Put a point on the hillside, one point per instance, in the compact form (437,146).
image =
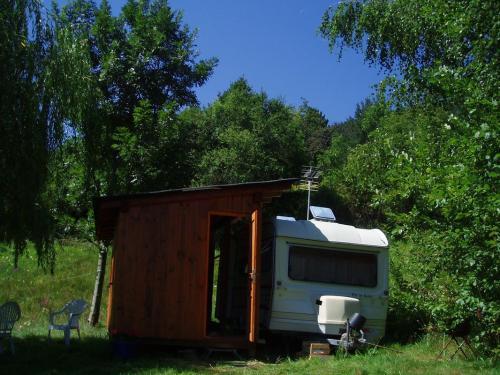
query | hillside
(37,292)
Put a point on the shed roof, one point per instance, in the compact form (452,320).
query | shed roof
(106,208)
(341,234)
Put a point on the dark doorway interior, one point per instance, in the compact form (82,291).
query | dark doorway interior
(228,283)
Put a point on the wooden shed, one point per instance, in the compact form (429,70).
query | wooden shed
(186,263)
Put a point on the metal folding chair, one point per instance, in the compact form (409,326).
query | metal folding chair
(459,335)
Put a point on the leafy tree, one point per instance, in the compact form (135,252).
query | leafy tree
(435,162)
(29,129)
(69,195)
(131,75)
(314,125)
(348,134)
(144,68)
(160,153)
(121,82)
(247,137)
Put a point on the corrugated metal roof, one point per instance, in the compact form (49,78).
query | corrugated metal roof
(252,184)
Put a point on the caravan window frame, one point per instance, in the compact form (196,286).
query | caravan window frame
(325,252)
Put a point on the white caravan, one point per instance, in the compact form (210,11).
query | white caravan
(323,273)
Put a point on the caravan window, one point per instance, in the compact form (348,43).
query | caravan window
(332,266)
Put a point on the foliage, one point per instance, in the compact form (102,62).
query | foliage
(89,108)
(70,196)
(29,129)
(350,133)
(316,131)
(429,170)
(158,153)
(245,136)
(144,68)
(118,83)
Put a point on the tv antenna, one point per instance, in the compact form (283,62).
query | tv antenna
(309,181)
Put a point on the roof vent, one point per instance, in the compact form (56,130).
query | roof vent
(322,213)
(285,218)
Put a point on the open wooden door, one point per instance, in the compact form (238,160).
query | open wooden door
(253,332)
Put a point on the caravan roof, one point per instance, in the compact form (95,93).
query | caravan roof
(317,230)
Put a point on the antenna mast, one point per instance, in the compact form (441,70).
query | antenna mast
(310,181)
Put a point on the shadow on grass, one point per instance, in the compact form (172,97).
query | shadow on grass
(36,355)
(97,355)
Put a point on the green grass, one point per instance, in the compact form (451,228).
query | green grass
(36,292)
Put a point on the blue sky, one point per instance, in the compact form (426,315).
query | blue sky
(274,44)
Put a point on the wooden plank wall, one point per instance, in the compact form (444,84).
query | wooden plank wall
(160,265)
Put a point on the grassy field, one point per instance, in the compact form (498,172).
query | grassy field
(37,292)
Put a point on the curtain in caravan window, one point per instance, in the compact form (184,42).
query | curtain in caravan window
(332,266)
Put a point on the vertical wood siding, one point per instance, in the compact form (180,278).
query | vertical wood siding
(160,266)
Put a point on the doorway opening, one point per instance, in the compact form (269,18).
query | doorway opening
(228,283)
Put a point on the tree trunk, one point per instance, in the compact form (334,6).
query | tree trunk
(99,281)
(16,258)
